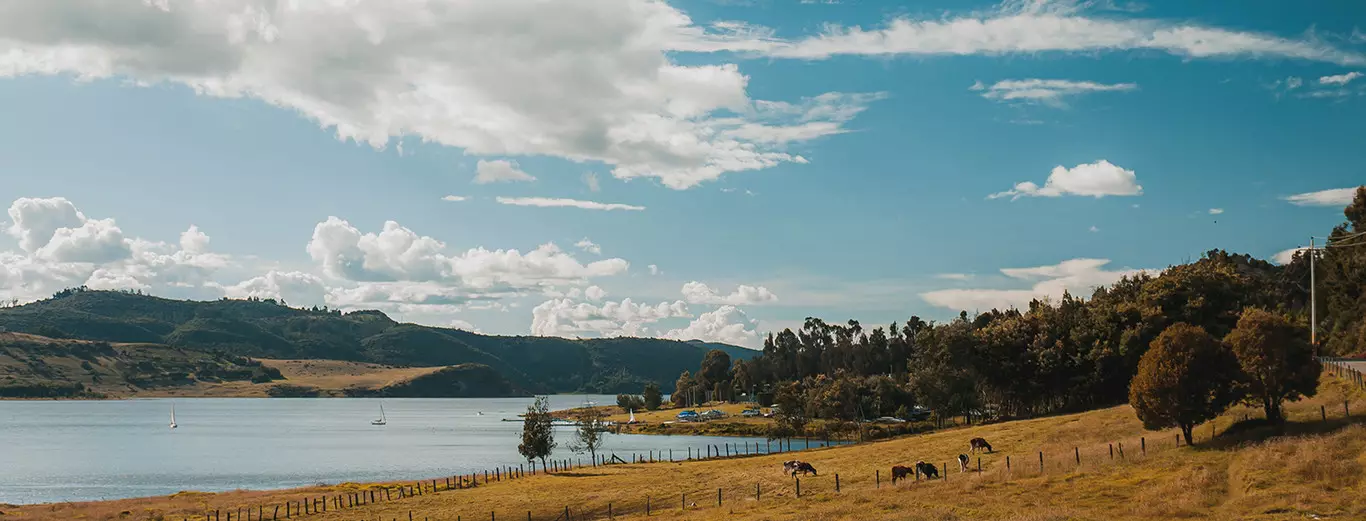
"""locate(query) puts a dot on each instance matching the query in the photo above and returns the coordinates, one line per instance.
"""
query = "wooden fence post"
(682, 505)
(877, 476)
(1041, 461)
(799, 486)
(1112, 451)
(979, 464)
(946, 472)
(647, 506)
(1121, 450)
(1007, 463)
(609, 511)
(756, 491)
(718, 497)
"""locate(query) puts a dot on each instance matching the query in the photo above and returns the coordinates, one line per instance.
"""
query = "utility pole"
(1313, 302)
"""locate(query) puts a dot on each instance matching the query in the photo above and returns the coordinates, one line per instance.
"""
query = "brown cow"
(977, 444)
(900, 472)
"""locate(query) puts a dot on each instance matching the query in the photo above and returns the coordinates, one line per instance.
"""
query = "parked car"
(889, 419)
(713, 415)
(919, 413)
(688, 416)
(750, 413)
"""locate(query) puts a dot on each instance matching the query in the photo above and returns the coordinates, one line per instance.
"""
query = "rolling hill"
(256, 329)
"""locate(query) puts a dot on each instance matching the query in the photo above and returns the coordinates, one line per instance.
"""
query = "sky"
(691, 169)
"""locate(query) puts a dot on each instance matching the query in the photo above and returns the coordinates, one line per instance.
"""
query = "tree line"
(1073, 353)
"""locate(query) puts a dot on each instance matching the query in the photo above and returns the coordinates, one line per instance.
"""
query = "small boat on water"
(173, 425)
(632, 421)
(382, 420)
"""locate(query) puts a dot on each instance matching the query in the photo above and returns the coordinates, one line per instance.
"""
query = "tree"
(1278, 363)
(630, 402)
(1185, 378)
(683, 389)
(590, 433)
(791, 404)
(538, 436)
(715, 370)
(653, 398)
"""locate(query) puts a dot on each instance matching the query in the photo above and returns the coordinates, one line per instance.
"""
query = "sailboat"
(381, 420)
(633, 418)
(173, 416)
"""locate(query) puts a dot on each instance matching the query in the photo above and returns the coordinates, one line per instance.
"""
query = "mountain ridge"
(257, 328)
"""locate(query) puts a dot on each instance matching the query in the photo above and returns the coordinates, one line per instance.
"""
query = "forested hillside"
(267, 329)
(1075, 353)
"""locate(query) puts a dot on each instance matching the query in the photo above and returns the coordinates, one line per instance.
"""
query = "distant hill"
(266, 329)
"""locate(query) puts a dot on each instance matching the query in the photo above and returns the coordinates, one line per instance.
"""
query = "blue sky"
(775, 159)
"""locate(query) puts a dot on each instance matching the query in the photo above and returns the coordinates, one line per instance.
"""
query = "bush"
(292, 391)
(630, 402)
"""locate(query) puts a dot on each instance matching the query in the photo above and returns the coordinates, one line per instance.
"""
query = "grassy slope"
(325, 375)
(1319, 471)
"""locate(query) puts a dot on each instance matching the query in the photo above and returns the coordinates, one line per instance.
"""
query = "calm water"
(86, 450)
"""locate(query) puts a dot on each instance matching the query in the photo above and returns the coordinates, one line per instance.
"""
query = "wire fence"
(1046, 460)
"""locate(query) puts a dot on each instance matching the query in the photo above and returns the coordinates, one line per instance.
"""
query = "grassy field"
(329, 376)
(1313, 472)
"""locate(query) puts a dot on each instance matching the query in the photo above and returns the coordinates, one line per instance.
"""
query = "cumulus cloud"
(654, 269)
(1339, 79)
(1284, 257)
(564, 317)
(1333, 197)
(594, 293)
(396, 253)
(1216, 211)
(454, 198)
(296, 288)
(1047, 92)
(499, 171)
(953, 276)
(547, 202)
(588, 80)
(1078, 276)
(1034, 26)
(62, 247)
(699, 293)
(1098, 179)
(728, 324)
(462, 325)
(589, 246)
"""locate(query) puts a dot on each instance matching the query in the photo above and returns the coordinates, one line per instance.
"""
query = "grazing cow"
(979, 444)
(805, 468)
(927, 469)
(962, 463)
(790, 466)
(900, 472)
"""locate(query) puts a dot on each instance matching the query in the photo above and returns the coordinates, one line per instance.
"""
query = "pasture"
(1097, 465)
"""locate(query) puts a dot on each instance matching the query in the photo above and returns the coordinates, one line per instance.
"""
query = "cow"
(962, 463)
(900, 472)
(803, 467)
(977, 444)
(790, 466)
(927, 469)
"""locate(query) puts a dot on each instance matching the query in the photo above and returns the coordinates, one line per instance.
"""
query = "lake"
(53, 451)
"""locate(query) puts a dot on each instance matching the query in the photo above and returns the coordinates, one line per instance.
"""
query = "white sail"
(382, 420)
(633, 416)
(173, 425)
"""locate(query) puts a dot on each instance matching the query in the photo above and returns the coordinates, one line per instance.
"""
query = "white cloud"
(296, 288)
(589, 246)
(1339, 79)
(462, 325)
(588, 80)
(1284, 257)
(594, 293)
(727, 324)
(1293, 83)
(1048, 92)
(1094, 229)
(397, 254)
(1334, 197)
(547, 202)
(563, 317)
(699, 293)
(454, 198)
(953, 276)
(1216, 211)
(499, 171)
(64, 248)
(591, 181)
(654, 269)
(1097, 179)
(1078, 276)
(1034, 26)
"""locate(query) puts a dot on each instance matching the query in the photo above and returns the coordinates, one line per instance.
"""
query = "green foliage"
(1185, 378)
(630, 402)
(1342, 283)
(538, 434)
(715, 369)
(652, 397)
(684, 389)
(292, 391)
(1277, 362)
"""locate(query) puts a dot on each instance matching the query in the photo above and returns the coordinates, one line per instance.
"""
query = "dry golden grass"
(1315, 470)
(325, 375)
